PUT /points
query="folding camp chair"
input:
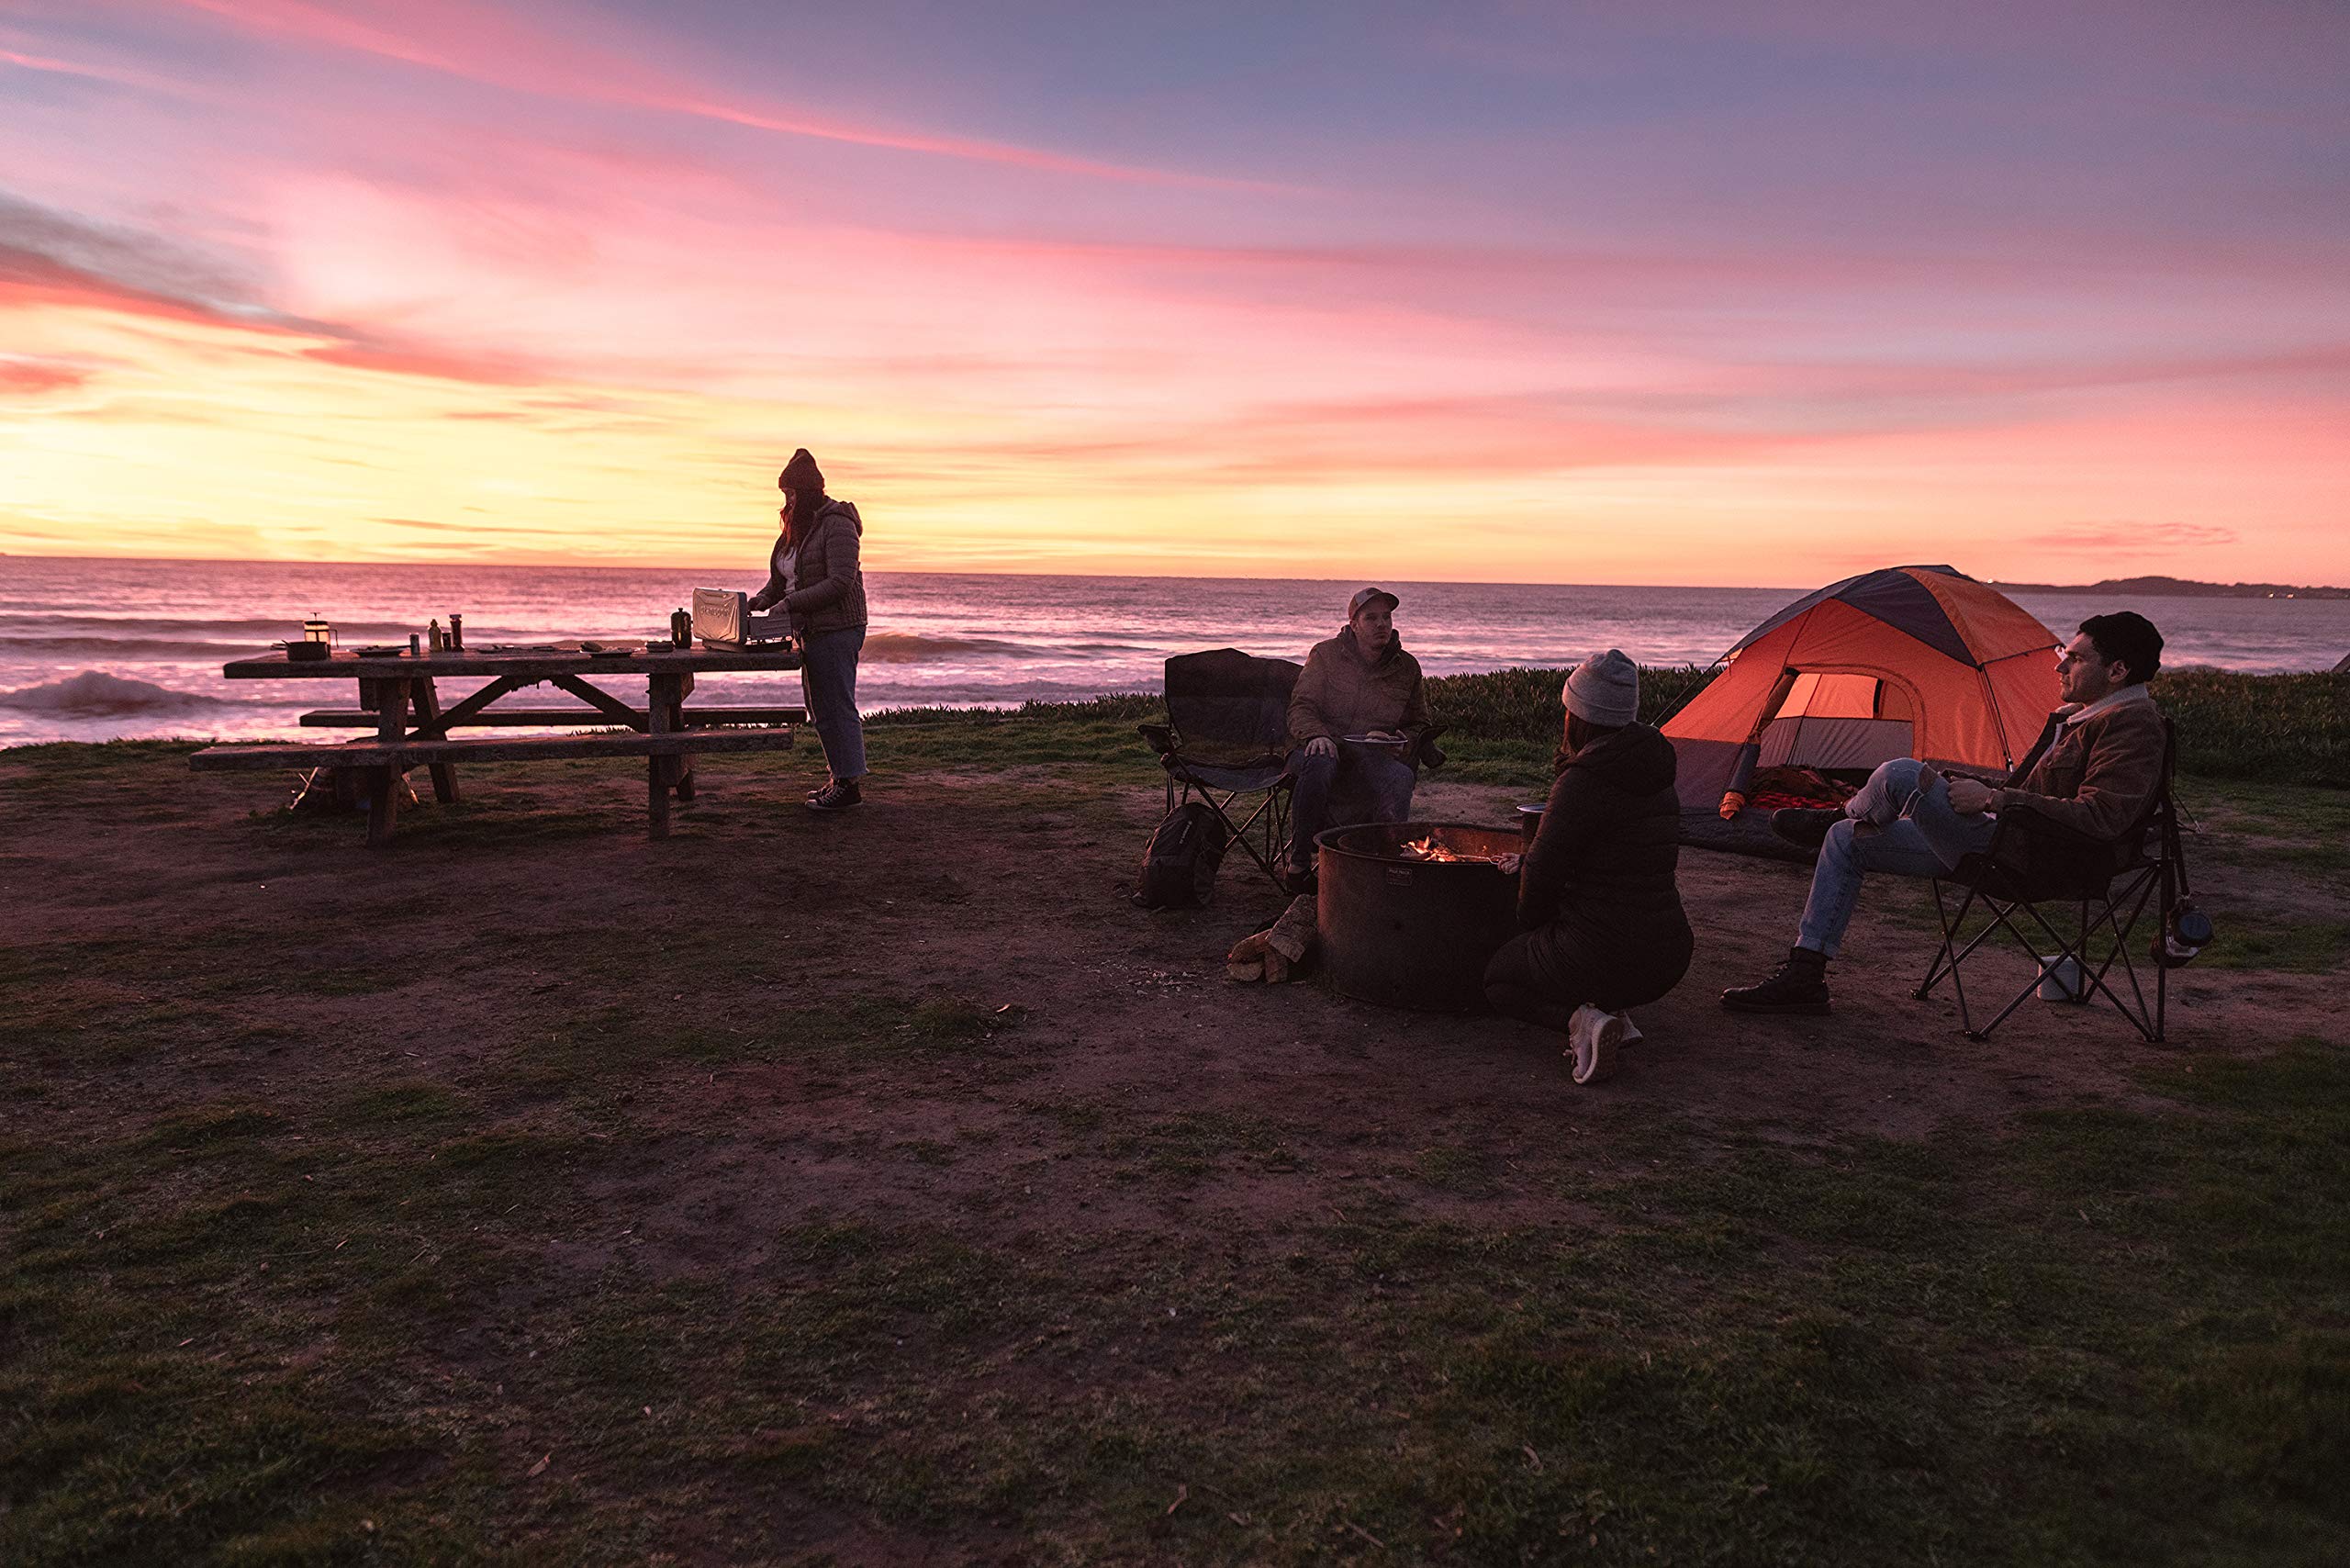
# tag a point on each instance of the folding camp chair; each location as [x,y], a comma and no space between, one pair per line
[1227,738]
[2102,885]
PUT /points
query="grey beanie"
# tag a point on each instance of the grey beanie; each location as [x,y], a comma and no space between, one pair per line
[1605,689]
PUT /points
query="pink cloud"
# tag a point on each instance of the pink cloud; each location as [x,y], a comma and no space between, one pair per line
[91,73]
[2121,539]
[34,377]
[467,41]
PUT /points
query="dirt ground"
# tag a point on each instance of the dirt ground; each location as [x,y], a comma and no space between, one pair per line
[1008,890]
[990,904]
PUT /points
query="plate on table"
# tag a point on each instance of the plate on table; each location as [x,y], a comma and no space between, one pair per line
[600,652]
[387,651]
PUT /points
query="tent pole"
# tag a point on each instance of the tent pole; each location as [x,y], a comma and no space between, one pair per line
[1991,701]
[1999,720]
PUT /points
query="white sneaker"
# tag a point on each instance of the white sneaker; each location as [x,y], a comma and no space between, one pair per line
[1594,1035]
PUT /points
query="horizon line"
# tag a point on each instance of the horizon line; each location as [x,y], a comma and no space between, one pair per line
[1147,577]
[881,571]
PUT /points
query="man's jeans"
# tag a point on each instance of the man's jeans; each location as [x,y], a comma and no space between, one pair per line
[828,677]
[1361,784]
[1929,840]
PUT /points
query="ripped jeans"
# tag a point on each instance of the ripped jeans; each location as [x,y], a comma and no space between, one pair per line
[1931,839]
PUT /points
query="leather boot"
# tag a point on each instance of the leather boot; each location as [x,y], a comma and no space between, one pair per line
[1799,986]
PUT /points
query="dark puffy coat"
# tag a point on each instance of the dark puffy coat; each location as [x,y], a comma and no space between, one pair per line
[830,592]
[1596,895]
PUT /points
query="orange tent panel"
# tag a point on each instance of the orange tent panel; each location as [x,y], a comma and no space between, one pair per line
[1980,711]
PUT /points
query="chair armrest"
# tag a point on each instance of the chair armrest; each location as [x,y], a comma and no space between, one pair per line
[1425,752]
[2023,839]
[2023,822]
[1161,738]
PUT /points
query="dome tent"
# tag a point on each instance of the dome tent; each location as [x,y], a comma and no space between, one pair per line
[1906,661]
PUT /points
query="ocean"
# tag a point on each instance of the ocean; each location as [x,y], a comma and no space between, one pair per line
[95,649]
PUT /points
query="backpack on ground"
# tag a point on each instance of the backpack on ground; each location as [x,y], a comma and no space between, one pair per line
[1178,868]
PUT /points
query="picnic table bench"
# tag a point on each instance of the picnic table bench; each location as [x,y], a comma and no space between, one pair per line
[398,700]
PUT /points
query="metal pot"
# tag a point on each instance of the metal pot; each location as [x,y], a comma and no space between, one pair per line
[1407,933]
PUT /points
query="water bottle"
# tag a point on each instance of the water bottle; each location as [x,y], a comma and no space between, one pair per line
[2186,931]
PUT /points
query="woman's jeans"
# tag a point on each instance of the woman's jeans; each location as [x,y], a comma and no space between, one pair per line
[1877,836]
[1359,784]
[828,677]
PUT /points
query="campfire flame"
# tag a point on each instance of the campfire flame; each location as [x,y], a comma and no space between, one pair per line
[1427,848]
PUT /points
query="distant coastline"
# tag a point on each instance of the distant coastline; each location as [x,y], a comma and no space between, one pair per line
[2177,587]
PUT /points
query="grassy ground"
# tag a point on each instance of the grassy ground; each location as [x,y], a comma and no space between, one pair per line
[272,1303]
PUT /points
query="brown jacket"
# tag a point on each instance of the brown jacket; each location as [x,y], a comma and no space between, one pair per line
[830,595]
[1341,693]
[2098,777]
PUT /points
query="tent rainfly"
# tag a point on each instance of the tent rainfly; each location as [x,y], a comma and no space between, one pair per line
[1907,661]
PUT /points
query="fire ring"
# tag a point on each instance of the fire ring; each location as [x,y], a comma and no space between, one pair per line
[1408,914]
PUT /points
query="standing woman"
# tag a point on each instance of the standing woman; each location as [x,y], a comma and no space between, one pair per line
[1600,927]
[813,575]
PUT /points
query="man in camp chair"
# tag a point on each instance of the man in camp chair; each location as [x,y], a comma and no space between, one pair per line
[2101,770]
[1359,726]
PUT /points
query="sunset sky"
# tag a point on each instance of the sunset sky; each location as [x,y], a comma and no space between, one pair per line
[1658,293]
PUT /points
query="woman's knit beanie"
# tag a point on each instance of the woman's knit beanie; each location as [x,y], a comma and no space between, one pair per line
[1605,689]
[801,474]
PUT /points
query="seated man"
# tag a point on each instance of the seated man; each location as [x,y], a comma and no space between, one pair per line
[1356,722]
[2098,777]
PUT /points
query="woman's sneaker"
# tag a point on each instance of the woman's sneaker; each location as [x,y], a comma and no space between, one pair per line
[835,797]
[1593,1037]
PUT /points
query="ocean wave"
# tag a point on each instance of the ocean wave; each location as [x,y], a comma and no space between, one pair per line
[127,648]
[914,648]
[242,631]
[95,692]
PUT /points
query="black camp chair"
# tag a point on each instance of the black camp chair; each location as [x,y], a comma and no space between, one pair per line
[1227,738]
[2100,888]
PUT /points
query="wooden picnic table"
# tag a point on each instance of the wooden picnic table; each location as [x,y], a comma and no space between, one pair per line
[398,700]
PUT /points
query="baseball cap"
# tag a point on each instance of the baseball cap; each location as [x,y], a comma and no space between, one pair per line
[1369,596]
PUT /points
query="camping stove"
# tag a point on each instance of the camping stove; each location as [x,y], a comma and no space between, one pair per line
[1410,913]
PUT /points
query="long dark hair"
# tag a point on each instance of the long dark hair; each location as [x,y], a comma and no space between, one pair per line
[1581,733]
[799,521]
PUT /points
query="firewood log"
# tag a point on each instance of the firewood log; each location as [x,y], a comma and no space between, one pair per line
[1294,933]
[1250,949]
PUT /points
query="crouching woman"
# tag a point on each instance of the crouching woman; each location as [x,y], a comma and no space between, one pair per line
[1601,926]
